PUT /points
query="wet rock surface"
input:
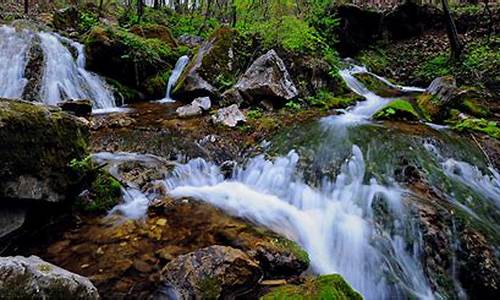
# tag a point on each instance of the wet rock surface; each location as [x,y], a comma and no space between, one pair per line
[33,278]
[212,272]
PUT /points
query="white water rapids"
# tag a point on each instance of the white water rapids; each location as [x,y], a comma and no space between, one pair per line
[64,76]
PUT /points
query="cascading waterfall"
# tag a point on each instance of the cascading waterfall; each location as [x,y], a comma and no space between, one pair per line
[66,78]
[14,48]
[174,77]
[63,78]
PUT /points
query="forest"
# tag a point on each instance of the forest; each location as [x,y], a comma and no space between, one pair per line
[249,149]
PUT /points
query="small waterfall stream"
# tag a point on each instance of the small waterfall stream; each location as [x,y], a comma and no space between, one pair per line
[64,76]
[174,77]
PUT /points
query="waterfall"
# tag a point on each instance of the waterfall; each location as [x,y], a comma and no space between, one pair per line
[172,80]
[66,78]
[14,48]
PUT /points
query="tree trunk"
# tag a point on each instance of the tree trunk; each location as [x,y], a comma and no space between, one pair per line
[140,9]
[451,30]
[26,6]
[207,13]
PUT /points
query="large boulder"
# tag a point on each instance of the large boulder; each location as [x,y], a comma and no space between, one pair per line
[135,61]
[410,19]
[33,278]
[267,79]
[211,273]
[38,143]
[358,29]
[229,116]
[215,67]
[155,31]
[66,18]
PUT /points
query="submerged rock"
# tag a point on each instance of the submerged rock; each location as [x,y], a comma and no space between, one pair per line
[33,278]
[229,116]
[323,287]
[267,78]
[212,272]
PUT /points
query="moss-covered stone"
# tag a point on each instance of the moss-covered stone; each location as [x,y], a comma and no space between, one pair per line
[430,107]
[128,58]
[479,125]
[155,31]
[323,287]
[37,145]
[472,107]
[399,109]
[377,86]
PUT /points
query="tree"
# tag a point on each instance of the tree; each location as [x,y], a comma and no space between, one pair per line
[451,30]
[26,6]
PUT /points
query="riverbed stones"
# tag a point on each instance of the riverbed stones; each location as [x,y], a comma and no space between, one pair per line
[33,278]
[195,108]
[79,108]
[229,116]
[212,272]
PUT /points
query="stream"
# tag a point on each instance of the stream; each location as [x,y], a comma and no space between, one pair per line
[337,187]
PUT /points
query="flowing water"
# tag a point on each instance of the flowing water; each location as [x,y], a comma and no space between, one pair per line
[14,48]
[333,187]
[64,76]
[174,77]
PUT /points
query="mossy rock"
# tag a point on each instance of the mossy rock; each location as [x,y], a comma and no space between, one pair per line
[430,107]
[216,66]
[156,85]
[323,287]
[38,143]
[472,107]
[377,86]
[155,31]
[128,58]
[399,109]
[490,128]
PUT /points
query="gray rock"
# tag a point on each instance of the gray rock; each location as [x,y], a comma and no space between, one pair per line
[190,40]
[33,278]
[443,88]
[267,78]
[229,116]
[195,108]
[211,273]
[79,108]
[231,96]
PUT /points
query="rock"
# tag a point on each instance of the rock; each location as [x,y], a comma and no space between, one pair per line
[229,116]
[358,28]
[439,97]
[67,18]
[399,109]
[410,19]
[191,41]
[195,108]
[231,96]
[79,108]
[215,67]
[155,31]
[267,78]
[212,272]
[33,278]
[38,143]
[323,287]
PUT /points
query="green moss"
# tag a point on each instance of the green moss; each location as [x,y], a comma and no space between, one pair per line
[292,247]
[254,114]
[480,125]
[326,100]
[429,107]
[472,107]
[210,288]
[399,109]
[438,66]
[104,189]
[156,85]
[376,86]
[323,287]
[375,60]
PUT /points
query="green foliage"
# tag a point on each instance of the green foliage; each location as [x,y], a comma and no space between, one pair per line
[480,125]
[292,247]
[293,105]
[471,106]
[375,60]
[254,114]
[87,21]
[105,191]
[399,109]
[438,66]
[323,287]
[326,100]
